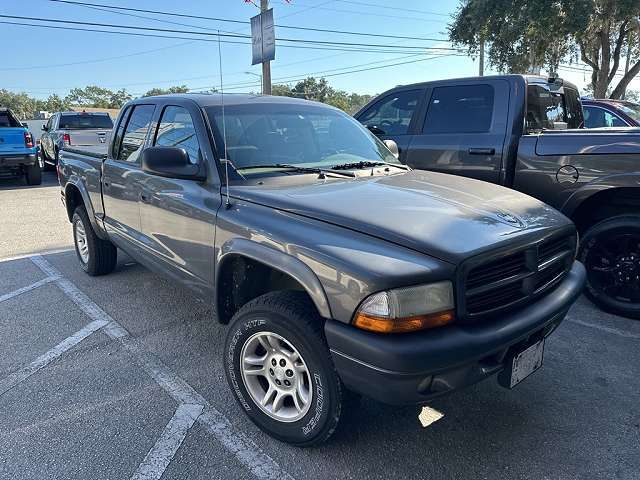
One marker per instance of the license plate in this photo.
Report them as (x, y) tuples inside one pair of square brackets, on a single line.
[(526, 362)]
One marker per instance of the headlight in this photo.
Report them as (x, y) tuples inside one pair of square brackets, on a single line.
[(407, 309)]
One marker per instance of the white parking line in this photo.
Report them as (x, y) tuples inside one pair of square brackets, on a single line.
[(46, 358), (243, 448), (160, 456), (29, 255), (612, 330), (26, 289)]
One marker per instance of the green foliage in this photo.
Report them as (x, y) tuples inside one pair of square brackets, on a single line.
[(165, 91), (99, 97), (521, 34), (319, 90)]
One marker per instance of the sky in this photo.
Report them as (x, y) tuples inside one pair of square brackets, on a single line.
[(46, 61)]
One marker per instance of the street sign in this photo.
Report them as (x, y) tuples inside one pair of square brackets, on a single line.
[(263, 38)]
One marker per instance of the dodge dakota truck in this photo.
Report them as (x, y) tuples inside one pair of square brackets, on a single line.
[(525, 132), (337, 268), (18, 152)]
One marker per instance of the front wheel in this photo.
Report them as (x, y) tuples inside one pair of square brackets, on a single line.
[(96, 256), (610, 251), (279, 368)]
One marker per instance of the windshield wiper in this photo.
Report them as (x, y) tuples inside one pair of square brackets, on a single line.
[(367, 164), (297, 168)]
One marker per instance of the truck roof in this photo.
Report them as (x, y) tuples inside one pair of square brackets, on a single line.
[(215, 99), (509, 77)]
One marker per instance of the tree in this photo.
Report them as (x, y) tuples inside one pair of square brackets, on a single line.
[(98, 97), (164, 91), (522, 34)]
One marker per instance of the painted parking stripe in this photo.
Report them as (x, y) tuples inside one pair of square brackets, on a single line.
[(604, 328), (160, 456), (46, 358), (215, 422), (29, 255), (26, 289)]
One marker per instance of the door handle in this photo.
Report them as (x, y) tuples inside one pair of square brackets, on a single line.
[(106, 184), (144, 198), (482, 151)]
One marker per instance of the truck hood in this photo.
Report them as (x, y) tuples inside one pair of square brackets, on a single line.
[(441, 215)]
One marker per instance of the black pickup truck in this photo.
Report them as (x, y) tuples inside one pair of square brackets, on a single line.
[(338, 268), (525, 132)]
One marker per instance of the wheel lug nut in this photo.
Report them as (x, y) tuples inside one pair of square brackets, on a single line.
[(289, 373), (271, 371), (278, 382), (283, 362), (287, 383), (273, 362)]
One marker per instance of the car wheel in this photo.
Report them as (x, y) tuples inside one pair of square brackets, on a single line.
[(46, 161), (96, 256), (33, 173), (610, 251), (279, 368)]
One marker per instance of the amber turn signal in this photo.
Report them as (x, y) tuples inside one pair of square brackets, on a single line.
[(402, 325)]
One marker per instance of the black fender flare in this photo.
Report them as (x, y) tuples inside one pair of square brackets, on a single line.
[(610, 182), (79, 185), (277, 260)]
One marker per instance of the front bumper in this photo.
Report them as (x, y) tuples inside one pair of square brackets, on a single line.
[(17, 160), (413, 368)]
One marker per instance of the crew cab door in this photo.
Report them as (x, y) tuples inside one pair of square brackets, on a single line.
[(462, 130), (178, 216), (393, 117), (121, 176)]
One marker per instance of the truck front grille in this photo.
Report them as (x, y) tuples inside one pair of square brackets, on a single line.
[(515, 278)]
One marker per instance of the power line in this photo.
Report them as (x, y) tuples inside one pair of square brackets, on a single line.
[(244, 22), (226, 35)]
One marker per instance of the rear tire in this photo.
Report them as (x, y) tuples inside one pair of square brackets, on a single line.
[(96, 256), (284, 327), (610, 250), (45, 159), (33, 173)]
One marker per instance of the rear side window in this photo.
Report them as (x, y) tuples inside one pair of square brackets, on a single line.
[(393, 113), (460, 109), (117, 138), (545, 107), (82, 121), (135, 133), (176, 129), (7, 120)]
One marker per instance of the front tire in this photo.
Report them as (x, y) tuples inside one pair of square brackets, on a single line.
[(610, 250), (279, 368), (96, 256)]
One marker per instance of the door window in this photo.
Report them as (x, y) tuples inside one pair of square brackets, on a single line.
[(393, 113), (596, 117), (460, 109), (135, 133), (176, 129)]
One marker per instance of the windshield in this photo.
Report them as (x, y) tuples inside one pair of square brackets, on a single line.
[(296, 134), (631, 109), (82, 121)]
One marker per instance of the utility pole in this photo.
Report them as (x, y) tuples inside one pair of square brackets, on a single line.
[(266, 65), (481, 66)]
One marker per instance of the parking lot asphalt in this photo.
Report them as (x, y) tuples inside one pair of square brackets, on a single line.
[(121, 377)]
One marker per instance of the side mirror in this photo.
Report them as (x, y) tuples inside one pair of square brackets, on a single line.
[(393, 147), (44, 128), (170, 162), (375, 130)]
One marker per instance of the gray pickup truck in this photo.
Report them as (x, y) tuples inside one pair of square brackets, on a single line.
[(78, 129), (525, 132), (339, 269)]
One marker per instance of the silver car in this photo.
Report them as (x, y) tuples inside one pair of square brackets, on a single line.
[(73, 128)]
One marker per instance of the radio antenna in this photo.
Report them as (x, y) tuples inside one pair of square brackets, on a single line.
[(224, 125)]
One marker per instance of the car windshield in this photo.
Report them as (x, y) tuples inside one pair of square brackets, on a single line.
[(294, 135), (631, 109), (85, 121)]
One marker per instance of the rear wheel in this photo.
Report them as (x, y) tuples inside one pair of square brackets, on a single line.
[(33, 173), (96, 256), (47, 162), (610, 250), (279, 368)]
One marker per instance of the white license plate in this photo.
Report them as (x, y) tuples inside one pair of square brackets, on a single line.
[(526, 362)]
